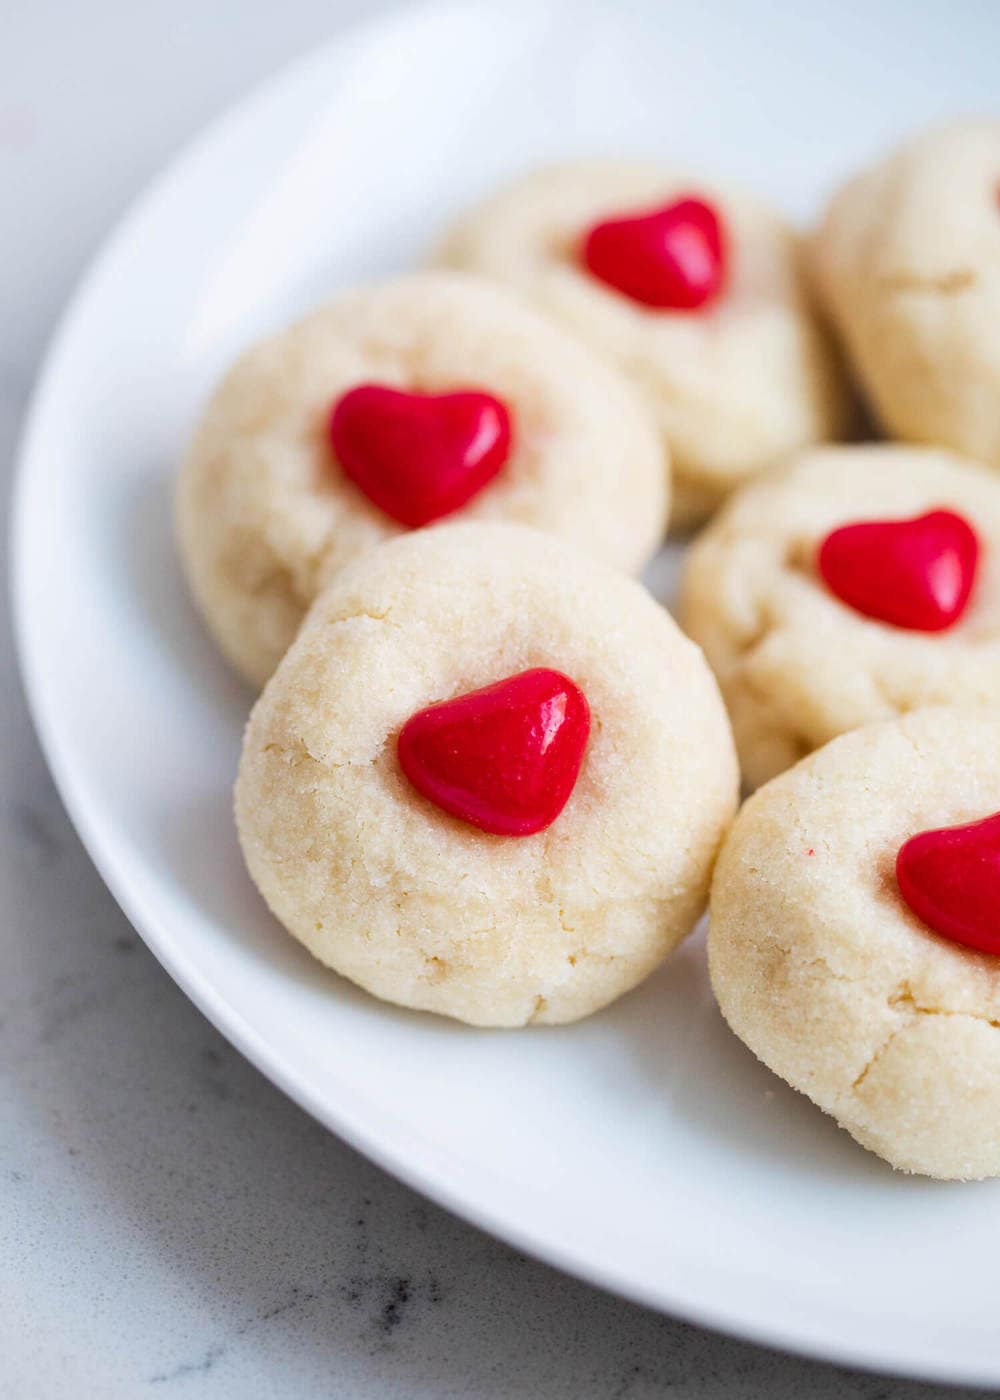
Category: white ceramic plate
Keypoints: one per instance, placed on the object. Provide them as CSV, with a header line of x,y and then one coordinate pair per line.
x,y
645,1149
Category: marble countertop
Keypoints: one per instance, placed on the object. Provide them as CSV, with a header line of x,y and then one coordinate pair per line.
x,y
170,1222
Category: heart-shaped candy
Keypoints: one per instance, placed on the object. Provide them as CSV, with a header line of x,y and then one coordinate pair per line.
x,y
950,878
419,456
916,574
504,758
673,258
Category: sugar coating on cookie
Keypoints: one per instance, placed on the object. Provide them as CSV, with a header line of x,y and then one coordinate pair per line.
x,y
796,664
266,515
823,971
420,907
907,261
732,384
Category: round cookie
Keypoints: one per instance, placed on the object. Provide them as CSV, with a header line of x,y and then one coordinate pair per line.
x,y
422,908
822,969
797,665
907,261
733,384
266,514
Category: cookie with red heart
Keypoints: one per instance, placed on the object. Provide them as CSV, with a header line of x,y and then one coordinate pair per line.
x,y
854,936
434,397
489,778
854,584
697,293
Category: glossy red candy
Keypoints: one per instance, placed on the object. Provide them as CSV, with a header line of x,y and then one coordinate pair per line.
x,y
419,456
914,573
673,258
950,878
504,758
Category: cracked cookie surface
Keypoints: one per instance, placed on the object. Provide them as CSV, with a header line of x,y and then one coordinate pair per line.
x,y
796,665
421,908
907,261
731,386
266,516
823,971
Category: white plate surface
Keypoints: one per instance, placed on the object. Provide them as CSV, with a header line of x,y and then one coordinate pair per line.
x,y
645,1149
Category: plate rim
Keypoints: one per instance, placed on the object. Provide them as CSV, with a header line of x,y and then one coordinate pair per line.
x,y
366,1134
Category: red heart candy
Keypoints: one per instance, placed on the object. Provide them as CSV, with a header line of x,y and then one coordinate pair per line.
x,y
950,878
672,257
419,456
914,573
504,758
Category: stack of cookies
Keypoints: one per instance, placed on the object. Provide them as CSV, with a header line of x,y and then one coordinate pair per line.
x,y
489,776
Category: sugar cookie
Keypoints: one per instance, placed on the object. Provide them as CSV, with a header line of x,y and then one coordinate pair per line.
x,y
363,857
907,261
699,299
446,396
799,661
825,970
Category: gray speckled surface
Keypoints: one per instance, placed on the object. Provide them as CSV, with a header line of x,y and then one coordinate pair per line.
x,y
169,1221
